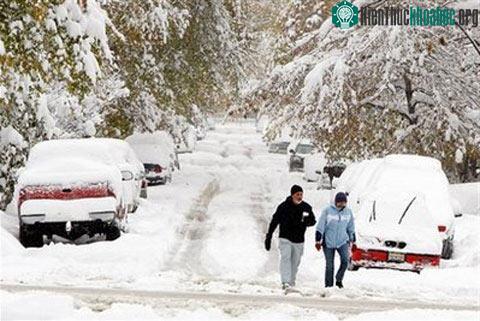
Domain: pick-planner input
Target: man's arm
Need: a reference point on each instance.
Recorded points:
(274, 222)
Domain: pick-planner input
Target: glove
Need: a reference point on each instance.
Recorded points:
(268, 242)
(318, 246)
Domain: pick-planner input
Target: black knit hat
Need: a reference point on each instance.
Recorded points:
(340, 197)
(295, 189)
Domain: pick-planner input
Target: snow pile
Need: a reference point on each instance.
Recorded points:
(468, 196)
(154, 148)
(9, 245)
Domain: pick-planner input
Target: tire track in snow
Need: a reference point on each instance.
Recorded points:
(259, 200)
(186, 253)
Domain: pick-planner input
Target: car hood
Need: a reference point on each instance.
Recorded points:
(419, 240)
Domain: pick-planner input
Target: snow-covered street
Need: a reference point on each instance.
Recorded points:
(204, 233)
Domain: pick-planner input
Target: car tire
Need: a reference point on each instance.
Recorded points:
(447, 249)
(112, 232)
(353, 267)
(30, 238)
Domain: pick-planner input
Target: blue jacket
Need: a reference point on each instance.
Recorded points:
(335, 228)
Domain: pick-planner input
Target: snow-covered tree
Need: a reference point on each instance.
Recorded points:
(48, 50)
(370, 91)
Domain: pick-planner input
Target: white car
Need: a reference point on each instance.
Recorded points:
(395, 230)
(133, 171)
(298, 152)
(313, 166)
(406, 172)
(157, 153)
(68, 189)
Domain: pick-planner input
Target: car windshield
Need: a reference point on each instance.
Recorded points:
(304, 149)
(405, 211)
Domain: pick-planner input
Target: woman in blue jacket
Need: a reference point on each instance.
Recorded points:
(335, 232)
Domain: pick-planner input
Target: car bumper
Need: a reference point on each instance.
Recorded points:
(69, 230)
(85, 209)
(382, 260)
(156, 180)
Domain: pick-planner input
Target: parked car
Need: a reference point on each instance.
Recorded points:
(406, 172)
(395, 230)
(127, 161)
(297, 156)
(69, 192)
(313, 166)
(157, 153)
(279, 147)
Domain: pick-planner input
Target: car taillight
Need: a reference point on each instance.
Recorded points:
(157, 169)
(442, 228)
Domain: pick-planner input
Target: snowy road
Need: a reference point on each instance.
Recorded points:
(100, 298)
(201, 237)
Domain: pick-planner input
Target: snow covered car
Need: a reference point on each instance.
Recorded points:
(111, 152)
(406, 172)
(279, 147)
(395, 230)
(157, 152)
(60, 194)
(133, 171)
(313, 166)
(297, 156)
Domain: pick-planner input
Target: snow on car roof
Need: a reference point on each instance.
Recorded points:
(106, 150)
(68, 170)
(413, 161)
(155, 148)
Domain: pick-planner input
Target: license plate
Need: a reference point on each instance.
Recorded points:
(396, 257)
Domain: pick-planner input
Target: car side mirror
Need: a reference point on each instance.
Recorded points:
(127, 176)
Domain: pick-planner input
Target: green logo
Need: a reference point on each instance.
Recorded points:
(344, 15)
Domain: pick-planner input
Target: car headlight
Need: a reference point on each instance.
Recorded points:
(371, 240)
(102, 215)
(32, 218)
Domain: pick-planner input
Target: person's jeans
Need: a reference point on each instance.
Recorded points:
(344, 252)
(290, 256)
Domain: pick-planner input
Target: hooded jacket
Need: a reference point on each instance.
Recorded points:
(292, 223)
(335, 227)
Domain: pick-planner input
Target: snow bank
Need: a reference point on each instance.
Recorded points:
(9, 245)
(468, 196)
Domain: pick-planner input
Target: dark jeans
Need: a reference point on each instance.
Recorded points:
(344, 252)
